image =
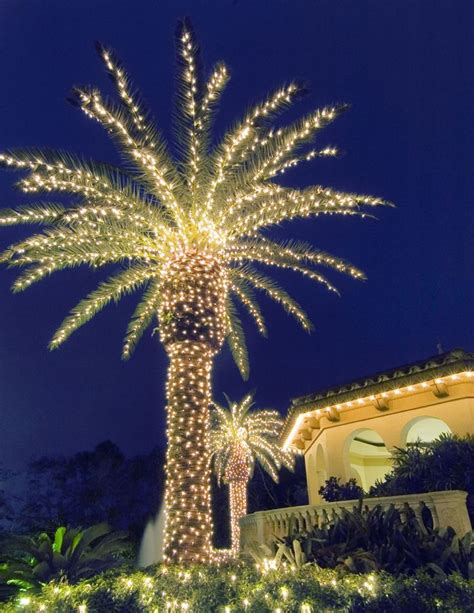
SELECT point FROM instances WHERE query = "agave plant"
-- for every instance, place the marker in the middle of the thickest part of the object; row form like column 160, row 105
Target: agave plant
column 240, row 437
column 70, row 555
column 188, row 228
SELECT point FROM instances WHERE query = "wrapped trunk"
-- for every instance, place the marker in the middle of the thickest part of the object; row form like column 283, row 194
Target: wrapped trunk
column 237, row 475
column 192, row 328
column 238, row 509
column 188, row 531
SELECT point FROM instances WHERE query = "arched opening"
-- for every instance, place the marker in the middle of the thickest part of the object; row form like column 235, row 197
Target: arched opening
column 321, row 469
column 369, row 458
column 424, row 430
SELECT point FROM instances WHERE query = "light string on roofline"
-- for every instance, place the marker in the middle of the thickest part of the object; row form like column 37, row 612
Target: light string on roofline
column 368, row 400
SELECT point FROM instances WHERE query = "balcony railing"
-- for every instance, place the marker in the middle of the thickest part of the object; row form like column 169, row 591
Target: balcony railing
column 440, row 509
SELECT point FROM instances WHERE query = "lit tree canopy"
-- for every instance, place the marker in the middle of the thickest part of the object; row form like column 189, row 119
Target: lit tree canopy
column 241, row 436
column 213, row 200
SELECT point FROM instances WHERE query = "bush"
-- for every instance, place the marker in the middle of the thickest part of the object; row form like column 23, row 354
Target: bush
column 70, row 555
column 244, row 590
column 445, row 464
column 378, row 539
column 333, row 490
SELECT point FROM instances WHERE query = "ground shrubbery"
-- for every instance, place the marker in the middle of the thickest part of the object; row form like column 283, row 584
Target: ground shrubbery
column 378, row 539
column 70, row 555
column 240, row 588
column 363, row 560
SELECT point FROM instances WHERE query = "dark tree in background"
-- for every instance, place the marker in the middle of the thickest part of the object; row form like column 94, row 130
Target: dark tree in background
column 288, row 492
column 103, row 485
column 92, row 487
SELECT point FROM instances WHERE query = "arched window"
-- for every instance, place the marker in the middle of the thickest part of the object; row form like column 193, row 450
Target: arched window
column 424, row 429
column 368, row 458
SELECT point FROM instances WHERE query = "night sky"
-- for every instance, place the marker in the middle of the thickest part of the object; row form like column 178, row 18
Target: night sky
column 405, row 66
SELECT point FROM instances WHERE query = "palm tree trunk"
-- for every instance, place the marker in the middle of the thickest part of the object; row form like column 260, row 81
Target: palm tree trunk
column 192, row 328
column 238, row 508
column 188, row 528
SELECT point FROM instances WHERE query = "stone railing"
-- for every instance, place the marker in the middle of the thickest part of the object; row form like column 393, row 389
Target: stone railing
column 439, row 509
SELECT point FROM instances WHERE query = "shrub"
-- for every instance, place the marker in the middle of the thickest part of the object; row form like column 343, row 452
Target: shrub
column 244, row 590
column 333, row 490
column 363, row 540
column 70, row 555
column 445, row 464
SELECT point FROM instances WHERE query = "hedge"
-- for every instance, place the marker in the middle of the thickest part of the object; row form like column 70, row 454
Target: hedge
column 237, row 588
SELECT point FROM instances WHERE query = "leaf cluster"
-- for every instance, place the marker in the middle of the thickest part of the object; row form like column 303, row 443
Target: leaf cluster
column 390, row 540
column 333, row 490
column 70, row 555
column 447, row 463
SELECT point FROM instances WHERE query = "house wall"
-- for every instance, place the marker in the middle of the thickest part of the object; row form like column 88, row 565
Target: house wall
column 368, row 469
column 331, row 442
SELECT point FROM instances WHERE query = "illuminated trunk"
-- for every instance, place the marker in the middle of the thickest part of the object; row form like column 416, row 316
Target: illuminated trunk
column 237, row 475
column 238, row 509
column 188, row 530
column 192, row 328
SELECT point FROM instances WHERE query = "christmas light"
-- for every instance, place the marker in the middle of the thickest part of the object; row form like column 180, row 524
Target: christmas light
column 240, row 437
column 189, row 232
column 370, row 400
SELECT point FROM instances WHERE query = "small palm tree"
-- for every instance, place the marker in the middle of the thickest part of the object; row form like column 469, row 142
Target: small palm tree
column 240, row 437
column 189, row 228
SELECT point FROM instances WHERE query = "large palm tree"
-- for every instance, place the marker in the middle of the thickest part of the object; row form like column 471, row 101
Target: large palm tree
column 240, row 437
column 186, row 229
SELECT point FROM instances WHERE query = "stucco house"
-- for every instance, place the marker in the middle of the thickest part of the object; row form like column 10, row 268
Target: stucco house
column 352, row 430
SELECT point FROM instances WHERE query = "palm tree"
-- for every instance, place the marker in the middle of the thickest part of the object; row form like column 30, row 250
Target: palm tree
column 187, row 230
column 240, row 438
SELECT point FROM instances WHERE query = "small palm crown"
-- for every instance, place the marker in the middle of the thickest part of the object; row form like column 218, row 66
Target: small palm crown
column 240, row 437
column 187, row 229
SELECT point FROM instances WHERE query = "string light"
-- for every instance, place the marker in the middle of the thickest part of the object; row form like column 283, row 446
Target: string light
column 240, row 437
column 368, row 400
column 189, row 233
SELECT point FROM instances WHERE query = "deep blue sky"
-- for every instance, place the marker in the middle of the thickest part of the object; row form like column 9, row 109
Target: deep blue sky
column 406, row 68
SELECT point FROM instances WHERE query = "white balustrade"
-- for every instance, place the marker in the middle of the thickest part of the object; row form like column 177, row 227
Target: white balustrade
column 447, row 508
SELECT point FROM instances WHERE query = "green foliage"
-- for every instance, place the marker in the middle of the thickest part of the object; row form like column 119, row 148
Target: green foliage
column 445, row 464
column 365, row 540
column 333, row 490
column 206, row 589
column 69, row 555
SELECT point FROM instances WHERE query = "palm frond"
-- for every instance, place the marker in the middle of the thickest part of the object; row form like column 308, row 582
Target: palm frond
column 236, row 340
column 247, row 297
column 112, row 290
column 142, row 317
column 275, row 292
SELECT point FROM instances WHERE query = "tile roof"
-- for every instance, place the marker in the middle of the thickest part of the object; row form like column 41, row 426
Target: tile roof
column 448, row 363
